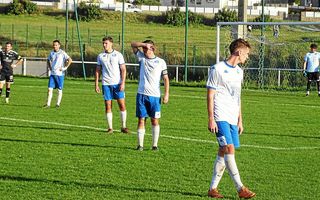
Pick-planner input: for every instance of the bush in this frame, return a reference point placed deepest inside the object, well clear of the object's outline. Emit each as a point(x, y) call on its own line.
point(226, 15)
point(88, 12)
point(177, 18)
point(267, 18)
point(148, 2)
point(18, 7)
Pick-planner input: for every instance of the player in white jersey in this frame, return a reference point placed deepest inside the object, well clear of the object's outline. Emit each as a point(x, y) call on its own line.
point(9, 59)
point(148, 102)
point(57, 63)
point(111, 65)
point(224, 115)
point(311, 67)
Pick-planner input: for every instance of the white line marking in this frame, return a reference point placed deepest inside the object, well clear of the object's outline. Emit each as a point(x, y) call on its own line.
point(165, 136)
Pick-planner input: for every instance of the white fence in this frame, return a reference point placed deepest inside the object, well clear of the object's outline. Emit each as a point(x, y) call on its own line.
point(37, 67)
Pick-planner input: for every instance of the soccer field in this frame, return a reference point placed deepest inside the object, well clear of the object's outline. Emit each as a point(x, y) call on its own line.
point(65, 153)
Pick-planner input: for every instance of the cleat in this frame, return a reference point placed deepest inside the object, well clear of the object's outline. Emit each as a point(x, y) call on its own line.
point(155, 148)
point(213, 193)
point(139, 148)
point(45, 106)
point(7, 100)
point(246, 193)
point(125, 130)
point(57, 106)
point(308, 93)
point(110, 131)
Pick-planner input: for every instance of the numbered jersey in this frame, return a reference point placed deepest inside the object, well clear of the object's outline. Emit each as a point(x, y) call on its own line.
point(226, 80)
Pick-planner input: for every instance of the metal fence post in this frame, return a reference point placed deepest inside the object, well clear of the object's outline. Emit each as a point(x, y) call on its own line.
point(24, 67)
point(177, 73)
point(279, 76)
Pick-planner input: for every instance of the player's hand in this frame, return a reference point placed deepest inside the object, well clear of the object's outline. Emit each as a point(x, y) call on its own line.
point(240, 128)
point(63, 69)
point(97, 89)
point(13, 65)
point(149, 46)
point(165, 98)
point(212, 126)
point(121, 87)
point(304, 73)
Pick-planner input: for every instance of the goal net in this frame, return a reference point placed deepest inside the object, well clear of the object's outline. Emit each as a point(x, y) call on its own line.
point(277, 54)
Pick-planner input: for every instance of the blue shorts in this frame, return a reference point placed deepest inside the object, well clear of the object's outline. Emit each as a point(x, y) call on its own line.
point(227, 134)
point(56, 82)
point(112, 92)
point(148, 106)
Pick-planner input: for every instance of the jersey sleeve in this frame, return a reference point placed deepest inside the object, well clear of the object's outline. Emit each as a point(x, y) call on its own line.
point(49, 57)
point(16, 56)
point(98, 62)
point(305, 58)
point(213, 78)
point(65, 56)
point(121, 59)
point(139, 55)
point(164, 68)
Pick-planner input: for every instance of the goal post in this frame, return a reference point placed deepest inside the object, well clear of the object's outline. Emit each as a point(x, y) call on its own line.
point(275, 46)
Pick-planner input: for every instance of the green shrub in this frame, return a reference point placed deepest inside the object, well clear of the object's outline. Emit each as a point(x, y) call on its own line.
point(226, 15)
point(148, 2)
point(177, 18)
point(88, 12)
point(18, 7)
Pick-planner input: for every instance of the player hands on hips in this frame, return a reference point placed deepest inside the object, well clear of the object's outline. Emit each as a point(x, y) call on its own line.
point(148, 102)
point(58, 62)
point(224, 115)
point(7, 59)
point(111, 65)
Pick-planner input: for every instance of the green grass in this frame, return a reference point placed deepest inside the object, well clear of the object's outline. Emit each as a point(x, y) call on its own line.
point(66, 154)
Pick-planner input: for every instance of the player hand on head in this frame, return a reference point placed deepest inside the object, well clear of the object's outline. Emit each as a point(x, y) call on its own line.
point(212, 125)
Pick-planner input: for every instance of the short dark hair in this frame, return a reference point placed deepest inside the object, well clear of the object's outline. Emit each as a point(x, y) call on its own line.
point(107, 38)
point(237, 44)
point(313, 46)
point(9, 43)
point(148, 42)
point(56, 41)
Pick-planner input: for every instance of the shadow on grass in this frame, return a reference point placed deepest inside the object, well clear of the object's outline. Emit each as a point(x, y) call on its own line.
point(67, 143)
point(95, 185)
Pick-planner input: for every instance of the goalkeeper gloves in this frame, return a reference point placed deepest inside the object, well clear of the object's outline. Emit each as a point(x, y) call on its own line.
point(304, 73)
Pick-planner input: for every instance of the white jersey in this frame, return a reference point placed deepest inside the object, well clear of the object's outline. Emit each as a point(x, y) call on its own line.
point(57, 60)
point(226, 80)
point(150, 74)
point(110, 63)
point(312, 60)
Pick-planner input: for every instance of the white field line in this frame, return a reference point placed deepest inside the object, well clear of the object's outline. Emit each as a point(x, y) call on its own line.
point(165, 136)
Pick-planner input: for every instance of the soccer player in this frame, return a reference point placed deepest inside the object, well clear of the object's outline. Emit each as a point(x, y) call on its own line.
point(311, 67)
point(57, 63)
point(7, 58)
point(112, 66)
point(148, 102)
point(224, 115)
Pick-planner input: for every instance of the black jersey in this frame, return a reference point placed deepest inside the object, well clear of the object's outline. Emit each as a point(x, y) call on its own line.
point(7, 59)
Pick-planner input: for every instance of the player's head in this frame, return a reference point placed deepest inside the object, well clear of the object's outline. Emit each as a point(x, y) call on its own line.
point(107, 43)
point(56, 45)
point(8, 46)
point(151, 49)
point(313, 47)
point(240, 48)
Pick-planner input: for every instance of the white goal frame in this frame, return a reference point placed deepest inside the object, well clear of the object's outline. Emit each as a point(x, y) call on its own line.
point(219, 24)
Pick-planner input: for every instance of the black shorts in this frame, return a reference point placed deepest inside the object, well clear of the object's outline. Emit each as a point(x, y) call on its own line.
point(313, 76)
point(5, 76)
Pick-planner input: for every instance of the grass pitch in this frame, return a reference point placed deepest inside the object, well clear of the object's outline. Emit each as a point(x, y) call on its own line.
point(66, 154)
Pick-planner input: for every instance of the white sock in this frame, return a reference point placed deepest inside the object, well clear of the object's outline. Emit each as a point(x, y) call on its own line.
point(155, 135)
point(59, 97)
point(123, 117)
point(218, 170)
point(233, 170)
point(49, 97)
point(141, 133)
point(109, 119)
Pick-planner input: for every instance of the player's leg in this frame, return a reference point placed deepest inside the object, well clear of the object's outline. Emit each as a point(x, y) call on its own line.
point(51, 85)
point(60, 83)
point(317, 78)
point(309, 77)
point(2, 81)
point(107, 95)
point(141, 113)
point(120, 96)
point(155, 113)
point(218, 170)
point(8, 90)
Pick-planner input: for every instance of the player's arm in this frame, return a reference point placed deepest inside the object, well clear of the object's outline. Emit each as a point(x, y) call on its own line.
point(67, 64)
point(136, 45)
point(212, 126)
point(123, 74)
point(49, 65)
point(240, 125)
point(97, 77)
point(166, 87)
point(19, 60)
